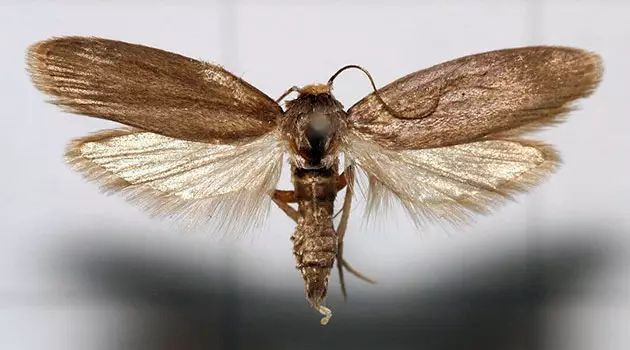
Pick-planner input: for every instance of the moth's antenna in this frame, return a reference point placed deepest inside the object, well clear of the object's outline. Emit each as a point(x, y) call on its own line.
point(378, 96)
point(330, 81)
point(286, 93)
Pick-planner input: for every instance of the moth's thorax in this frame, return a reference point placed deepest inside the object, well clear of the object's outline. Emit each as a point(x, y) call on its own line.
point(314, 123)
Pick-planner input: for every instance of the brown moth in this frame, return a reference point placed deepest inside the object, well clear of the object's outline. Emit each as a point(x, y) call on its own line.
point(202, 144)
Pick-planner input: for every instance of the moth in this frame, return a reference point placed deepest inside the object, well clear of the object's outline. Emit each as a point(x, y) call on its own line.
point(203, 145)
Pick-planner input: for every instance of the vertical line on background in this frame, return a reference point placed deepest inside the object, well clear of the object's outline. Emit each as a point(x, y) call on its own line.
point(535, 10)
point(229, 29)
point(533, 243)
point(230, 311)
point(535, 20)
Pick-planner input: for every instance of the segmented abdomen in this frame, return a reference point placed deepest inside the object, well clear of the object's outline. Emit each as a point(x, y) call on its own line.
point(315, 239)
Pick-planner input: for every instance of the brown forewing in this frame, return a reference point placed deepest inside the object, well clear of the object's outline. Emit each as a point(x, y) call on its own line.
point(151, 89)
point(472, 97)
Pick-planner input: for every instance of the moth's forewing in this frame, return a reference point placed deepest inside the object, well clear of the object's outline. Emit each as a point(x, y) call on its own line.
point(150, 89)
point(472, 97)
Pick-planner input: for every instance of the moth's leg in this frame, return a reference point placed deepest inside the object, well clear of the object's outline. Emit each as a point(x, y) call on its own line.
point(282, 200)
point(348, 179)
point(285, 196)
point(356, 273)
point(341, 184)
point(343, 181)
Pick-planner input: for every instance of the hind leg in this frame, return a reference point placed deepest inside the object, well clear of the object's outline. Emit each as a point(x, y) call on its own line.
point(348, 179)
point(282, 200)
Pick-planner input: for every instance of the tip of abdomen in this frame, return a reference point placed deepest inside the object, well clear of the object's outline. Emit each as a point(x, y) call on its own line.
point(316, 285)
point(326, 312)
point(315, 249)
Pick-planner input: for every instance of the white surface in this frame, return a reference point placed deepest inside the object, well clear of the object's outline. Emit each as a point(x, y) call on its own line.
point(283, 43)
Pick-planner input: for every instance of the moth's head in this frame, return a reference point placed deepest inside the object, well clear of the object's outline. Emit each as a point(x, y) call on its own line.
point(313, 122)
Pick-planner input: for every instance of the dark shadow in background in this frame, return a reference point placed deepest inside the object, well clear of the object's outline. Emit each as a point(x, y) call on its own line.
point(500, 305)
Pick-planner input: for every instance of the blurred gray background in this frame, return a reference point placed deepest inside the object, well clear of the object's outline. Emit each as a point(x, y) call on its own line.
point(80, 270)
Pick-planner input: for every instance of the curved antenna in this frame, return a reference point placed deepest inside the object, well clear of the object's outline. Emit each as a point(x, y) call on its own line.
point(286, 93)
point(330, 81)
point(378, 96)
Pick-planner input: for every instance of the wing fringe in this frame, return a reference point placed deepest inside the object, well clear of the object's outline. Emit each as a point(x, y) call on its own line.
point(462, 211)
point(223, 213)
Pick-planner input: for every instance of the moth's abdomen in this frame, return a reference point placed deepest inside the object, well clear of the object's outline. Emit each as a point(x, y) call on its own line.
point(315, 249)
point(315, 238)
